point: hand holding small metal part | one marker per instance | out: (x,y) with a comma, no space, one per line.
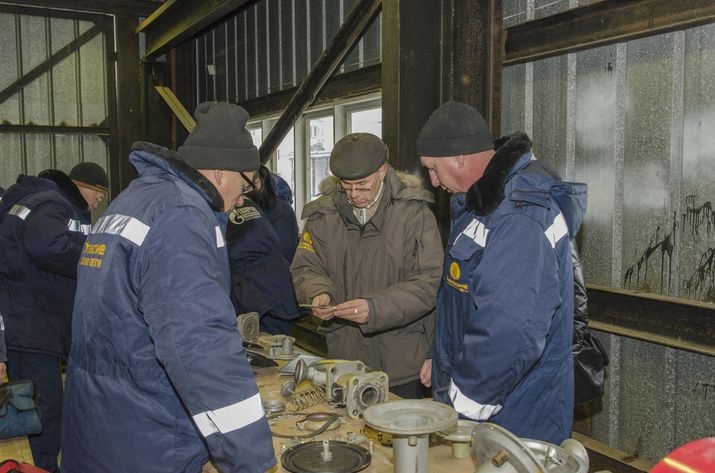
(354,310)
(321,308)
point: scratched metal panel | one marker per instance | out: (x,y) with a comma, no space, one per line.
(697,238)
(514,12)
(262,54)
(288,45)
(694,398)
(38,151)
(220,62)
(10,145)
(316,32)
(513,99)
(301,40)
(251,53)
(543,8)
(201,75)
(648,219)
(595,158)
(10,109)
(68,151)
(550,88)
(34,52)
(273,27)
(352,60)
(64,74)
(241,58)
(372,42)
(646,398)
(231,66)
(93,77)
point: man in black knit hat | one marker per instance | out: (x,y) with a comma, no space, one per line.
(158,379)
(44,222)
(502,350)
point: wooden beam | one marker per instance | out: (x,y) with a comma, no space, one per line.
(50,62)
(170,26)
(669,321)
(134,8)
(355,83)
(345,38)
(601,23)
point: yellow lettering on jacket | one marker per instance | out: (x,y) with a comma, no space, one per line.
(306,243)
(91,262)
(94,249)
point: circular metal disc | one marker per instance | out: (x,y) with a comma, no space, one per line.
(410,417)
(462,432)
(306,458)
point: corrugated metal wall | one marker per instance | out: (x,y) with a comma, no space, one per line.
(272,45)
(635,121)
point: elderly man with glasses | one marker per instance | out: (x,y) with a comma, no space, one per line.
(369,262)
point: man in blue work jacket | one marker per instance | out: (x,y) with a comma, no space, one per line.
(44,221)
(502,349)
(158,380)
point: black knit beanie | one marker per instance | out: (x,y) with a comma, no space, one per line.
(454,129)
(91,175)
(220,139)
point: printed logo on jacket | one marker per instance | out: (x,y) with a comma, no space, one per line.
(92,255)
(241,215)
(455,272)
(306,243)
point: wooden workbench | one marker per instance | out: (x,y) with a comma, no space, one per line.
(269,384)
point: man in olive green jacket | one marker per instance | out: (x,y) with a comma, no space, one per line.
(370,262)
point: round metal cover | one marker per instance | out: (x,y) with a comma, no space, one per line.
(410,417)
(462,432)
(494,445)
(306,458)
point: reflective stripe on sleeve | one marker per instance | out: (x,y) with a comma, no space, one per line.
(77,226)
(220,242)
(470,408)
(230,418)
(557,230)
(124,226)
(19,211)
(477,232)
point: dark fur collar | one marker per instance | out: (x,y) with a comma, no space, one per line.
(68,188)
(183,169)
(486,194)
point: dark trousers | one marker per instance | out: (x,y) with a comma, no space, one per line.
(45,371)
(412,390)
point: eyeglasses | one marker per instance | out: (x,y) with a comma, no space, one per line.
(250,185)
(353,189)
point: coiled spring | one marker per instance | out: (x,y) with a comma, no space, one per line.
(305,398)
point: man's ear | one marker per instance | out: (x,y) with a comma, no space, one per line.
(218,175)
(382,172)
(459,160)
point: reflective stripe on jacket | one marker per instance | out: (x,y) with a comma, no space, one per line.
(505,325)
(158,378)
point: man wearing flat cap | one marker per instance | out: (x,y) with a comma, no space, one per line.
(158,380)
(502,350)
(369,263)
(44,222)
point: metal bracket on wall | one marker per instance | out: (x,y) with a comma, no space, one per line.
(177,107)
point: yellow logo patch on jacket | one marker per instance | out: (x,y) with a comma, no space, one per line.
(455,272)
(306,242)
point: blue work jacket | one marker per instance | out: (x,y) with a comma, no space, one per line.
(502,350)
(158,379)
(43,225)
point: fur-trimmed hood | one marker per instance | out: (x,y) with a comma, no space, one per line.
(147,156)
(486,194)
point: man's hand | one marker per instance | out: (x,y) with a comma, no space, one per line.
(3,370)
(426,373)
(356,310)
(322,308)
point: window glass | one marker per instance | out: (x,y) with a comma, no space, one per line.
(256,136)
(285,159)
(367,121)
(321,138)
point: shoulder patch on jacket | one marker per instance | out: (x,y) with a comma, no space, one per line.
(306,242)
(241,215)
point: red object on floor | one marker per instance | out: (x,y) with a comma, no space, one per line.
(697,456)
(13,466)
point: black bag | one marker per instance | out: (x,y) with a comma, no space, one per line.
(19,411)
(589,357)
(589,362)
